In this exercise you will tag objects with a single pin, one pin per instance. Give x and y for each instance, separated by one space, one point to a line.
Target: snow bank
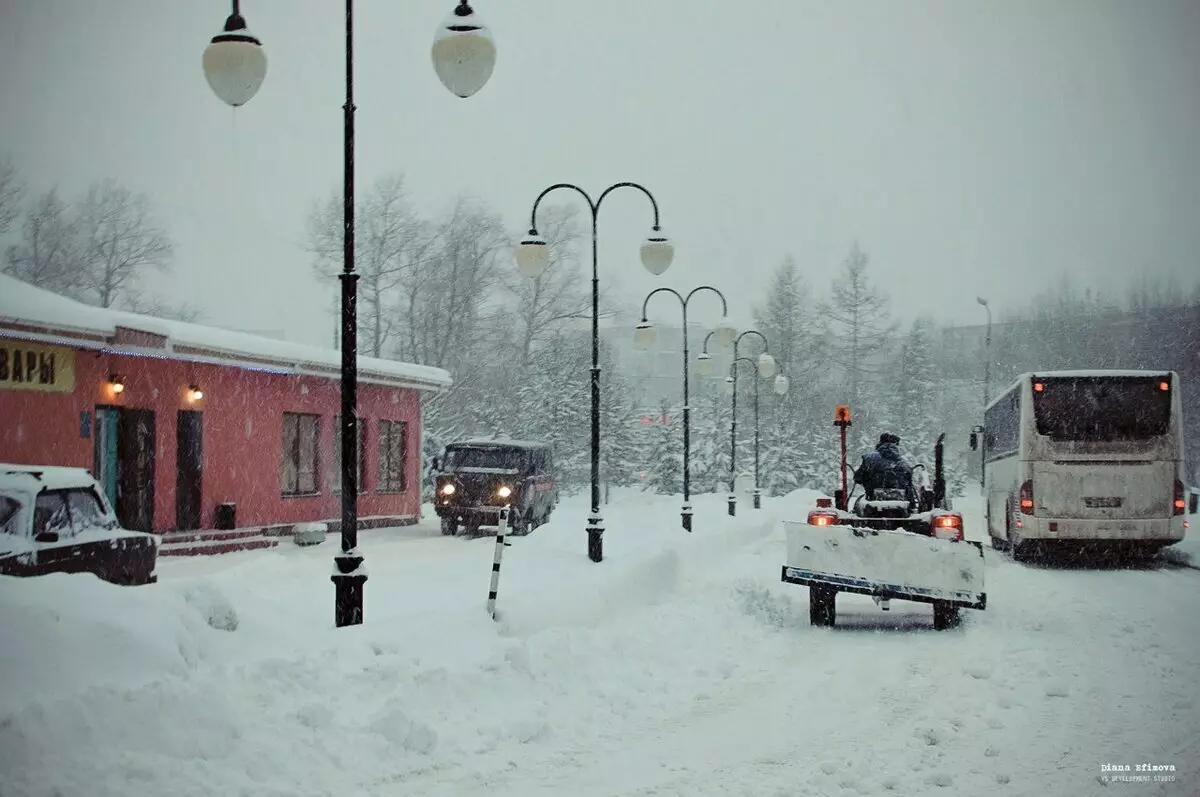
65 635
679 665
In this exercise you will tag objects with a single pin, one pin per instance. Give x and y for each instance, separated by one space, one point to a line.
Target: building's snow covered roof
41 315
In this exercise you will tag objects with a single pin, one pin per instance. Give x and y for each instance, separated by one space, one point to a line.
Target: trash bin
226 516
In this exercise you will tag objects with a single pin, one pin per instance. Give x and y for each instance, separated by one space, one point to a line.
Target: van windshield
1102 408
491 458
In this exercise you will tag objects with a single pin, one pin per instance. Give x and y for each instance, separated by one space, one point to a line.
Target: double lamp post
643 337
235 65
767 367
533 257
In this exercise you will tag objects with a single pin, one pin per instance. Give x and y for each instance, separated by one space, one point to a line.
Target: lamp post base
595 532
686 514
757 498
732 504
348 584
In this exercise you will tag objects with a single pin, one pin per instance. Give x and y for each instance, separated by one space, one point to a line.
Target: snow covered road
680 665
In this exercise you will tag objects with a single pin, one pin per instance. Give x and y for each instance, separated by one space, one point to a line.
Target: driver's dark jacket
885 468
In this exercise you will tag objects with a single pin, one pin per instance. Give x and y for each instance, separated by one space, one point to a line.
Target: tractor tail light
948 527
822 518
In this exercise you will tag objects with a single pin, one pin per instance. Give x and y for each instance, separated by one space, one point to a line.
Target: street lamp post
987 349
644 337
781 387
766 369
987 370
533 257
235 65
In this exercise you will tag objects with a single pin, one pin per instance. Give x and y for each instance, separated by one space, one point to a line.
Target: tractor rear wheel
822 606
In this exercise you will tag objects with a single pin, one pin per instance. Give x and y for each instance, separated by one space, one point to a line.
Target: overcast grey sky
971 147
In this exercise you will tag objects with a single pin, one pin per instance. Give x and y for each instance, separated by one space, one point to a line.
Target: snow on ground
679 665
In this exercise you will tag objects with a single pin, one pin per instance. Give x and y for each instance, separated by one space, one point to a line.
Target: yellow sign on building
36 366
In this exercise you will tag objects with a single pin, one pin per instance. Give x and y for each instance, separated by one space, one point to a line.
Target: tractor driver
886 468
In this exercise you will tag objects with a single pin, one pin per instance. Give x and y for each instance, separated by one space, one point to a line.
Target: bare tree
146 304
448 292
389 239
119 240
48 252
556 295
11 193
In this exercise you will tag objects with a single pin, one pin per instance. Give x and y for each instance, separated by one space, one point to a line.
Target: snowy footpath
681 665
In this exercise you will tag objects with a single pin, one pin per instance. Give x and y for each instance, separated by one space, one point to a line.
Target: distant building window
393 447
299 453
335 456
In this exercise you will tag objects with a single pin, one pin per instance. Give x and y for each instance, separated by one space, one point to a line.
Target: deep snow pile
679 665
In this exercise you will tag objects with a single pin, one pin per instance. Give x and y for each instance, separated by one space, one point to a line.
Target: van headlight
504 492
448 489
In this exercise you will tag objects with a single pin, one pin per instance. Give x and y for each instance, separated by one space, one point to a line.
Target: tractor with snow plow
892 543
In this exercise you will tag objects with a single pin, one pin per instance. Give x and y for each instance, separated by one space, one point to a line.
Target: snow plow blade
884 563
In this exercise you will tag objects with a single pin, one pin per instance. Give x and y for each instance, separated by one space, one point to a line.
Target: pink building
195 428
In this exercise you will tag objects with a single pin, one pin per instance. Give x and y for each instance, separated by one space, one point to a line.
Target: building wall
242 433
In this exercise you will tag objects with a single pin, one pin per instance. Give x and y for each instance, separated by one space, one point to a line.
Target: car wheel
521 524
449 526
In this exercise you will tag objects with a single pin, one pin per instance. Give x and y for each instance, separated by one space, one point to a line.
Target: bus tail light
1180 500
1026 497
948 527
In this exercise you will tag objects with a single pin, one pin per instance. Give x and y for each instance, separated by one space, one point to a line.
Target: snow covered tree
913 397
664 467
861 330
710 436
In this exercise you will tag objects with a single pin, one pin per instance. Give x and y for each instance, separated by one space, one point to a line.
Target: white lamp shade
704 363
724 333
463 53
533 256
766 366
235 65
644 335
781 384
657 253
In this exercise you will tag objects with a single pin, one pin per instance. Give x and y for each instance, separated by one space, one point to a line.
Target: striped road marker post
500 545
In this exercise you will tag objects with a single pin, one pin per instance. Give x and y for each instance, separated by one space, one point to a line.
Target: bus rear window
1101 408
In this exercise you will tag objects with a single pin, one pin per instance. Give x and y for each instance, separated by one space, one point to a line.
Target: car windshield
1102 408
8 514
489 457
68 512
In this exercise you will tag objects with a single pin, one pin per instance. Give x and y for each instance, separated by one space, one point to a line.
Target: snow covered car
57 520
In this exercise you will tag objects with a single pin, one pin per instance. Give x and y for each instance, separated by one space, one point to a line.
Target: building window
299 453
393 447
335 456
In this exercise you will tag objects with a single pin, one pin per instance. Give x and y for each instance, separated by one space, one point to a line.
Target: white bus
1081 459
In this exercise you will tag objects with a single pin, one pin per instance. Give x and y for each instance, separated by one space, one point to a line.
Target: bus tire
822 606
